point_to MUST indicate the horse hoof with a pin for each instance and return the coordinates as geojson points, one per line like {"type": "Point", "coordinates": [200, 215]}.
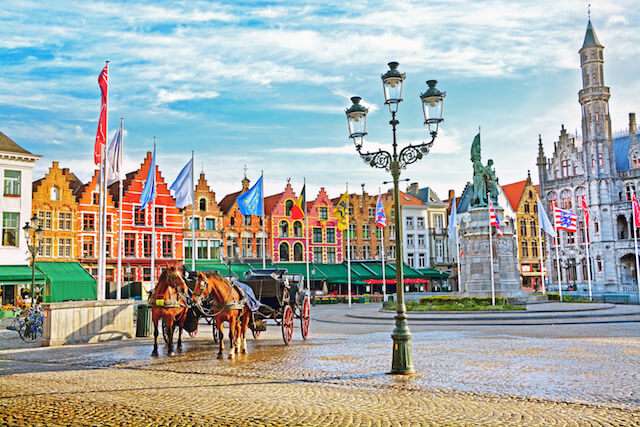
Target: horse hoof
{"type": "Point", "coordinates": [179, 349]}
{"type": "Point", "coordinates": [231, 356]}
{"type": "Point", "coordinates": [172, 353]}
{"type": "Point", "coordinates": [220, 356]}
{"type": "Point", "coordinates": [154, 353]}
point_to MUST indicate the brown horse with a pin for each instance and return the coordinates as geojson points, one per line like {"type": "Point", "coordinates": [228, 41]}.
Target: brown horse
{"type": "Point", "coordinates": [169, 304]}
{"type": "Point", "coordinates": [228, 306]}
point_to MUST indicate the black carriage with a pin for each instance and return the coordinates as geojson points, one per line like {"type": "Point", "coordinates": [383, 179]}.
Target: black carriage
{"type": "Point", "coordinates": [283, 298]}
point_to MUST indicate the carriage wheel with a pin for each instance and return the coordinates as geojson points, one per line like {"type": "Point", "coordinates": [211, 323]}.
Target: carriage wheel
{"type": "Point", "coordinates": [254, 330]}
{"type": "Point", "coordinates": [305, 317]}
{"type": "Point", "coordinates": [287, 324]}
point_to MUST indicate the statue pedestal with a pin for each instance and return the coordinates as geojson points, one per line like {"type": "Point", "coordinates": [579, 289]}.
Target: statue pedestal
{"type": "Point", "coordinates": [475, 262]}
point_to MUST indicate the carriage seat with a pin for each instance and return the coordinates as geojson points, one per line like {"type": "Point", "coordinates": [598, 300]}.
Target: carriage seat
{"type": "Point", "coordinates": [247, 294]}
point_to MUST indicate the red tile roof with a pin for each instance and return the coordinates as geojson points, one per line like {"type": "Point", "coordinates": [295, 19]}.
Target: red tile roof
{"type": "Point", "coordinates": [514, 192]}
{"type": "Point", "coordinates": [270, 202]}
{"type": "Point", "coordinates": [227, 201]}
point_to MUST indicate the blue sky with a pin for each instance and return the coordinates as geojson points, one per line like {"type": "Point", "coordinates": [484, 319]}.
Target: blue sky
{"type": "Point", "coordinates": [266, 83]}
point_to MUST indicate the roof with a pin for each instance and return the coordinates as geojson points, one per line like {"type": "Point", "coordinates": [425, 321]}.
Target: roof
{"type": "Point", "coordinates": [9, 145]}
{"type": "Point", "coordinates": [407, 199]}
{"type": "Point", "coordinates": [67, 281]}
{"type": "Point", "coordinates": [18, 274]}
{"type": "Point", "coordinates": [590, 38]}
{"type": "Point", "coordinates": [270, 202]}
{"type": "Point", "coordinates": [514, 192]}
{"type": "Point", "coordinates": [227, 201]}
{"type": "Point", "coordinates": [621, 152]}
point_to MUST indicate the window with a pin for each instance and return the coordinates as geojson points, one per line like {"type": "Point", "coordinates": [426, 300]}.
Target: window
{"type": "Point", "coordinates": [523, 228]}
{"type": "Point", "coordinates": [288, 205]}
{"type": "Point", "coordinates": [365, 252]}
{"type": "Point", "coordinates": [365, 231]}
{"type": "Point", "coordinates": [353, 251]}
{"type": "Point", "coordinates": [232, 221]}
{"type": "Point", "coordinates": [596, 226]}
{"type": "Point", "coordinates": [317, 255]}
{"type": "Point", "coordinates": [210, 224]}
{"type": "Point", "coordinates": [331, 255]}
{"type": "Point", "coordinates": [420, 223]}
{"type": "Point", "coordinates": [551, 199]}
{"type": "Point", "coordinates": [421, 261]}
{"type": "Point", "coordinates": [350, 210]}
{"type": "Point", "coordinates": [64, 248]}
{"type": "Point", "coordinates": [526, 208]}
{"type": "Point", "coordinates": [323, 213]}
{"type": "Point", "coordinates": [297, 229]}
{"type": "Point", "coordinates": [317, 235]}
{"type": "Point", "coordinates": [247, 250]}
{"type": "Point", "coordinates": [410, 260]}
{"type": "Point", "coordinates": [439, 221]}
{"type": "Point", "coordinates": [188, 248]}
{"type": "Point", "coordinates": [630, 190]}
{"type": "Point", "coordinates": [202, 204]}
{"type": "Point", "coordinates": [284, 229]}
{"type": "Point", "coordinates": [571, 238]}
{"type": "Point", "coordinates": [146, 274]}
{"type": "Point", "coordinates": [259, 246]}
{"type": "Point", "coordinates": [54, 194]}
{"type": "Point", "coordinates": [439, 250]}
{"type": "Point", "coordinates": [95, 198]}
{"type": "Point", "coordinates": [297, 252]}
{"type": "Point", "coordinates": [378, 233]}
{"type": "Point", "coordinates": [146, 245]}
{"type": "Point", "coordinates": [564, 165]}
{"type": "Point", "coordinates": [44, 218]}
{"type": "Point", "coordinates": [331, 235]}
{"type": "Point", "coordinates": [409, 223]}
{"type": "Point", "coordinates": [410, 241]}
{"type": "Point", "coordinates": [129, 274]}
{"type": "Point", "coordinates": [12, 182]}
{"type": "Point", "coordinates": [196, 223]}
{"type": "Point", "coordinates": [167, 246]}
{"type": "Point", "coordinates": [599, 263]}
{"type": "Point", "coordinates": [565, 199]}
{"type": "Point", "coordinates": [524, 250]}
{"type": "Point", "coordinates": [214, 249]}
{"type": "Point", "coordinates": [352, 231]}
{"type": "Point", "coordinates": [45, 248]}
{"type": "Point", "coordinates": [64, 221]}
{"type": "Point", "coordinates": [202, 249]}
{"type": "Point", "coordinates": [392, 232]}
{"type": "Point", "coordinates": [534, 248]}
{"type": "Point", "coordinates": [89, 222]}
{"type": "Point", "coordinates": [372, 213]}
{"type": "Point", "coordinates": [246, 220]}
{"type": "Point", "coordinates": [87, 247]}
{"type": "Point", "coordinates": [130, 245]}
{"type": "Point", "coordinates": [421, 242]}
{"type": "Point", "coordinates": [159, 217]}
{"type": "Point", "coordinates": [109, 222]}
{"type": "Point", "coordinates": [139, 215]}
{"type": "Point", "coordinates": [284, 251]}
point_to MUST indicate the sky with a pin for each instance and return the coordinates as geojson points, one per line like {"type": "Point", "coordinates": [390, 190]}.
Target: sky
{"type": "Point", "coordinates": [265, 83]}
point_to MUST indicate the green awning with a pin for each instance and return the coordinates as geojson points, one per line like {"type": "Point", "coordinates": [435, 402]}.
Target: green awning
{"type": "Point", "coordinates": [236, 270]}
{"type": "Point", "coordinates": [67, 281]}
{"type": "Point", "coordinates": [432, 273]}
{"type": "Point", "coordinates": [18, 274]}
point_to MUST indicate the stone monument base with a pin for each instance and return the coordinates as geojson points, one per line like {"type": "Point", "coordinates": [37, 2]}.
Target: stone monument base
{"type": "Point", "coordinates": [475, 261]}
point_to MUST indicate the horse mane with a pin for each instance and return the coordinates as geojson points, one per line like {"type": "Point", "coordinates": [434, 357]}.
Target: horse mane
{"type": "Point", "coordinates": [165, 281]}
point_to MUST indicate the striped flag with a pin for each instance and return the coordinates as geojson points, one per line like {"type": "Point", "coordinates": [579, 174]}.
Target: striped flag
{"type": "Point", "coordinates": [565, 220]}
{"type": "Point", "coordinates": [636, 210]}
{"type": "Point", "coordinates": [381, 217]}
{"type": "Point", "coordinates": [101, 132]}
{"type": "Point", "coordinates": [494, 221]}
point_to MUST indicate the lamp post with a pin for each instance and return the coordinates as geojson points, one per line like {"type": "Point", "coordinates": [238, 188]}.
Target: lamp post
{"type": "Point", "coordinates": [432, 106]}
{"type": "Point", "coordinates": [34, 244]}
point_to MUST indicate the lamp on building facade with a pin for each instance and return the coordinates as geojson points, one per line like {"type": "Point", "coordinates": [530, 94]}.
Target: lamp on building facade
{"type": "Point", "coordinates": [432, 106]}
{"type": "Point", "coordinates": [33, 235]}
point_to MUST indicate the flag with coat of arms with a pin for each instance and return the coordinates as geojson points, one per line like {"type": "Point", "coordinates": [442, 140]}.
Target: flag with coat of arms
{"type": "Point", "coordinates": [381, 217]}
{"type": "Point", "coordinates": [565, 220]}
{"type": "Point", "coordinates": [494, 221]}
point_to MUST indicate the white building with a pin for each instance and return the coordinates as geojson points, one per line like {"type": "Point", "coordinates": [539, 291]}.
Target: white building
{"type": "Point", "coordinates": [16, 172]}
{"type": "Point", "coordinates": [415, 233]}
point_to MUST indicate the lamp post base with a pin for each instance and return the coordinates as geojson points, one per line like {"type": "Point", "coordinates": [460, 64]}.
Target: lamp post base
{"type": "Point", "coordinates": [402, 361]}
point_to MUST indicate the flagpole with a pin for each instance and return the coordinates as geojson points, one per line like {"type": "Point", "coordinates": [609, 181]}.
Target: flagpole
{"type": "Point", "coordinates": [384, 273]}
{"type": "Point", "coordinates": [120, 231]}
{"type": "Point", "coordinates": [306, 228]}
{"type": "Point", "coordinates": [104, 200]}
{"type": "Point", "coordinates": [458, 258]}
{"type": "Point", "coordinates": [193, 214]}
{"type": "Point", "coordinates": [586, 245]}
{"type": "Point", "coordinates": [635, 244]}
{"type": "Point", "coordinates": [101, 185]}
{"type": "Point", "coordinates": [493, 286]}
{"type": "Point", "coordinates": [544, 290]}
{"type": "Point", "coordinates": [264, 235]}
{"type": "Point", "coordinates": [348, 247]}
{"type": "Point", "coordinates": [153, 222]}
{"type": "Point", "coordinates": [557, 241]}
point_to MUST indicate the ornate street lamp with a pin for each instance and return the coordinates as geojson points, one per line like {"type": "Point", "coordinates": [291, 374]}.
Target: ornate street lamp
{"type": "Point", "coordinates": [34, 245]}
{"type": "Point", "coordinates": [432, 106]}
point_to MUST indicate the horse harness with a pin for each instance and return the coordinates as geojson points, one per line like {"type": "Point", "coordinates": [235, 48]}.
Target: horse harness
{"type": "Point", "coordinates": [217, 306]}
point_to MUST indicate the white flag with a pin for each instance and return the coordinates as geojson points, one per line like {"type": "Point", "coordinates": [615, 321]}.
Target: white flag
{"type": "Point", "coordinates": [183, 191]}
{"type": "Point", "coordinates": [114, 158]}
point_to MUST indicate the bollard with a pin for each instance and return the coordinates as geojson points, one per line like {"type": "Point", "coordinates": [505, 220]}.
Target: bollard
{"type": "Point", "coordinates": [142, 321]}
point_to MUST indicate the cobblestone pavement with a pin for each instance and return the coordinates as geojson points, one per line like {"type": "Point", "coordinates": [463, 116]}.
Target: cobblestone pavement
{"type": "Point", "coordinates": [528, 375]}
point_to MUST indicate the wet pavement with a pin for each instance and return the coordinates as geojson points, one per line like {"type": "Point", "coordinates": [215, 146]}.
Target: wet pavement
{"type": "Point", "coordinates": [574, 374]}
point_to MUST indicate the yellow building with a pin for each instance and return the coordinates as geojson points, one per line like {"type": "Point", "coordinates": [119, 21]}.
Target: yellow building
{"type": "Point", "coordinates": [55, 204]}
{"type": "Point", "coordinates": [522, 196]}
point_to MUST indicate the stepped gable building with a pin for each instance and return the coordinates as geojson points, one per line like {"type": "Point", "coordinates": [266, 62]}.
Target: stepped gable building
{"type": "Point", "coordinates": [137, 226]}
{"type": "Point", "coordinates": [326, 240]}
{"type": "Point", "coordinates": [16, 172]}
{"type": "Point", "coordinates": [55, 203]}
{"type": "Point", "coordinates": [287, 238]}
{"type": "Point", "coordinates": [604, 168]}
{"type": "Point", "coordinates": [522, 196]}
{"type": "Point", "coordinates": [87, 226]}
{"type": "Point", "coordinates": [208, 224]}
{"type": "Point", "coordinates": [243, 235]}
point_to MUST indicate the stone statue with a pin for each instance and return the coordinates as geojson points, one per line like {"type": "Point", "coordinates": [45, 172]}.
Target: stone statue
{"type": "Point", "coordinates": [484, 177]}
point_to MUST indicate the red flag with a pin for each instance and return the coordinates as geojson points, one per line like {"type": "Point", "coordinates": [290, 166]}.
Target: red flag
{"type": "Point", "coordinates": [101, 132]}
{"type": "Point", "coordinates": [585, 209]}
{"type": "Point", "coordinates": [636, 210]}
{"type": "Point", "coordinates": [493, 219]}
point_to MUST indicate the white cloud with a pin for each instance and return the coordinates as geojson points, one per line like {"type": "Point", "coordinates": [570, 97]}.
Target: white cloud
{"type": "Point", "coordinates": [168, 96]}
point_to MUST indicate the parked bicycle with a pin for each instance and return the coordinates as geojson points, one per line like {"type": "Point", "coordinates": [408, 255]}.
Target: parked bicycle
{"type": "Point", "coordinates": [28, 323]}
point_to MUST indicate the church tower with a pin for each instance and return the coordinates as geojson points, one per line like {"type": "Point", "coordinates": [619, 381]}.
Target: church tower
{"type": "Point", "coordinates": [594, 99]}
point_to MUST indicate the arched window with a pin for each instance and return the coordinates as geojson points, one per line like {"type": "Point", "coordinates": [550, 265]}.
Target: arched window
{"type": "Point", "coordinates": [599, 263]}
{"type": "Point", "coordinates": [525, 250]}
{"type": "Point", "coordinates": [551, 199]}
{"type": "Point", "coordinates": [579, 192]}
{"type": "Point", "coordinates": [55, 193]}
{"type": "Point", "coordinates": [297, 252]}
{"type": "Point", "coordinates": [203, 204]}
{"type": "Point", "coordinates": [565, 168]}
{"type": "Point", "coordinates": [297, 229]}
{"type": "Point", "coordinates": [288, 205]}
{"type": "Point", "coordinates": [622, 224]}
{"type": "Point", "coordinates": [523, 228]}
{"type": "Point", "coordinates": [534, 227]}
{"type": "Point", "coordinates": [284, 229]}
{"type": "Point", "coordinates": [565, 199]}
{"type": "Point", "coordinates": [284, 251]}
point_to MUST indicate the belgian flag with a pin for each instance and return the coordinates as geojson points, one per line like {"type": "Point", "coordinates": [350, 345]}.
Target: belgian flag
{"type": "Point", "coordinates": [298, 209]}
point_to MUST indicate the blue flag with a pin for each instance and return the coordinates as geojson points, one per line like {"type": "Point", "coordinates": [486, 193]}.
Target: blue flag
{"type": "Point", "coordinates": [543, 220]}
{"type": "Point", "coordinates": [149, 191]}
{"type": "Point", "coordinates": [453, 218]}
{"type": "Point", "coordinates": [182, 186]}
{"type": "Point", "coordinates": [251, 202]}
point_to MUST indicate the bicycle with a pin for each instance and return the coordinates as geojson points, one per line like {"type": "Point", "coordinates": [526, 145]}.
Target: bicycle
{"type": "Point", "coordinates": [28, 323]}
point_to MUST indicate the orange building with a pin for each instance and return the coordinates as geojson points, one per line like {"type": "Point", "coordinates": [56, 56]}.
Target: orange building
{"type": "Point", "coordinates": [55, 203]}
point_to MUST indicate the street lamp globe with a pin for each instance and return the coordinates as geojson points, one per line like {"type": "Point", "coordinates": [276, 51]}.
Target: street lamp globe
{"type": "Point", "coordinates": [392, 85]}
{"type": "Point", "coordinates": [432, 106]}
{"type": "Point", "coordinates": [357, 121]}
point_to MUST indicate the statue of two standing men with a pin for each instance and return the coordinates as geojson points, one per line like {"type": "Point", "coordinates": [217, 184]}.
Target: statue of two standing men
{"type": "Point", "coordinates": [485, 180]}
